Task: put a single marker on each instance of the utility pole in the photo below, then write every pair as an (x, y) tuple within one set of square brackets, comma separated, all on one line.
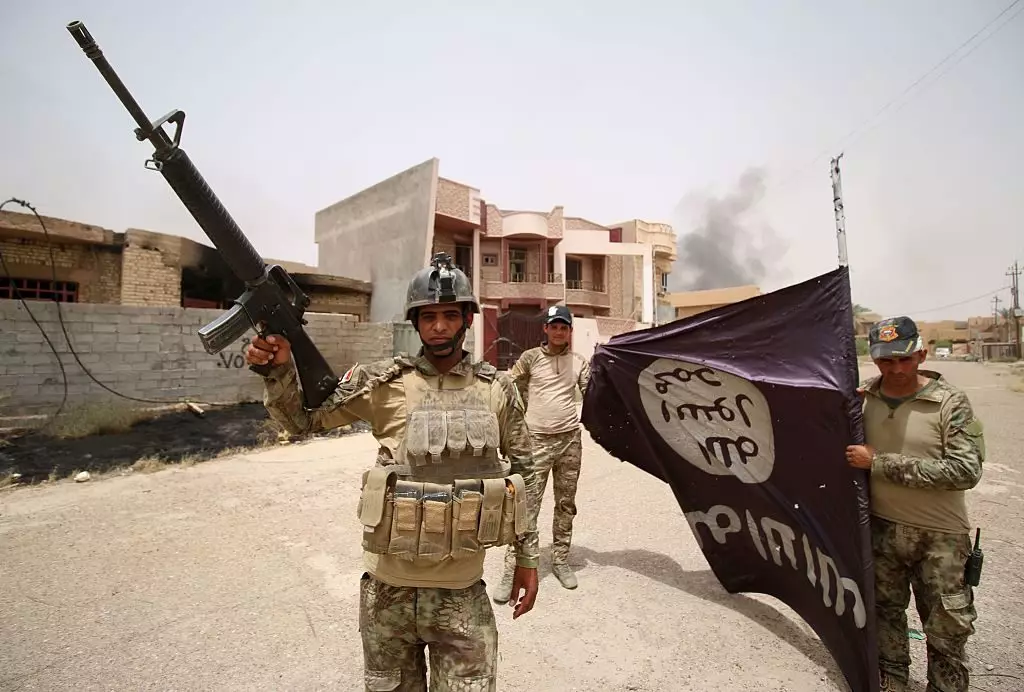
[(1015, 312), (995, 315), (837, 202)]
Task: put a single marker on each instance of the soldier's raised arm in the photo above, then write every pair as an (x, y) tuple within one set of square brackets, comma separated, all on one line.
[(351, 400)]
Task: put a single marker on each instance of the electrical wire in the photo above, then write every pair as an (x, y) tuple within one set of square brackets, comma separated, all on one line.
[(63, 326), (863, 127), (953, 305)]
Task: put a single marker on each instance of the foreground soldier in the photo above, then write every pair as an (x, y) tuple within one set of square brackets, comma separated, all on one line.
[(438, 496), (924, 449), (548, 377)]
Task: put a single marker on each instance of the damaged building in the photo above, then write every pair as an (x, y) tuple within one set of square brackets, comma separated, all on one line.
[(83, 263)]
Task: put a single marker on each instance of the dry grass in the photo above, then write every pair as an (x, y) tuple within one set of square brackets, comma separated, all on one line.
[(148, 465), (154, 464), (105, 418)]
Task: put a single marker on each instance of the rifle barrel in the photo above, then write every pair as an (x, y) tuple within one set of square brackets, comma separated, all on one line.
[(180, 173), (92, 51)]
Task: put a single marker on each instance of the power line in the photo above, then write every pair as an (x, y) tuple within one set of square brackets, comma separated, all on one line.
[(863, 128), (953, 305), (67, 337), (938, 65)]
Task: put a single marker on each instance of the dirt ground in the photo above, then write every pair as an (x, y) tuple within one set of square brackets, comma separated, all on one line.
[(242, 573)]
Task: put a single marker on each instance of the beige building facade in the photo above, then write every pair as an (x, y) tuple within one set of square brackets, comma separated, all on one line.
[(519, 261), (689, 303)]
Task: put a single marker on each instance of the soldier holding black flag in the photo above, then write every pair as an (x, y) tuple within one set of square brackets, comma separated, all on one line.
[(925, 448)]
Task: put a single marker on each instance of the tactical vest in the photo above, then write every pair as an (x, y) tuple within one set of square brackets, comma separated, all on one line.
[(449, 496)]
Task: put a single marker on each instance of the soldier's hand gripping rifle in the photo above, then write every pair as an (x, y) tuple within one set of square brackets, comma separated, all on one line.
[(272, 302)]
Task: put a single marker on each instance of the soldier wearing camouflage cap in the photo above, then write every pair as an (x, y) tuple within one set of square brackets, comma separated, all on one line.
[(548, 377), (451, 479), (924, 448)]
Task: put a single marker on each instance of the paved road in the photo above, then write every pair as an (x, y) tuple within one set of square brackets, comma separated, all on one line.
[(241, 574)]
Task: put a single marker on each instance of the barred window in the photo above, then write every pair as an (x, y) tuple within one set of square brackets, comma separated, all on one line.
[(39, 289)]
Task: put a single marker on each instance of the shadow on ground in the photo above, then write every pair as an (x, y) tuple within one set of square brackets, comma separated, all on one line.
[(172, 437), (705, 585)]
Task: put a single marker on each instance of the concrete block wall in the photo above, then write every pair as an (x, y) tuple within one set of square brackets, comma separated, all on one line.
[(148, 277), (148, 352)]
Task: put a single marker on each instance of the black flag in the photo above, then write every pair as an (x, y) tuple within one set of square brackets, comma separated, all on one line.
[(746, 412)]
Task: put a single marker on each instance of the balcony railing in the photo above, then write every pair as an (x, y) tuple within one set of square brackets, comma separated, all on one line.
[(532, 278), (497, 290), (588, 294), (579, 285)]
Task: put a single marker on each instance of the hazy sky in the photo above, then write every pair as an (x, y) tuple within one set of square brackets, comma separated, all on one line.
[(614, 110)]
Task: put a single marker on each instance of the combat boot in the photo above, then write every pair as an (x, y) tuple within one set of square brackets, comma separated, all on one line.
[(564, 574)]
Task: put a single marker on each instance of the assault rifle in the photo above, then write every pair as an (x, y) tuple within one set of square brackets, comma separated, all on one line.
[(272, 302)]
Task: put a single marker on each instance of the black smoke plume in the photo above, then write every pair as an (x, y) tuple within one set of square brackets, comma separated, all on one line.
[(726, 247)]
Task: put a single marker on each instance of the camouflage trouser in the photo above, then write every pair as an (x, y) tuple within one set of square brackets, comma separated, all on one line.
[(456, 625), (933, 563), (560, 455)]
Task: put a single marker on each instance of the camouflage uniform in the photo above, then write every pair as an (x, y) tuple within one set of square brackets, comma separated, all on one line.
[(920, 534), (556, 453), (423, 589), (559, 455)]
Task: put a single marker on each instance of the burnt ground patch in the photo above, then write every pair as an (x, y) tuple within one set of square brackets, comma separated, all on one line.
[(172, 437)]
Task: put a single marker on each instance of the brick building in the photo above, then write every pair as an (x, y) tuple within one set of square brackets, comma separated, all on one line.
[(141, 268)]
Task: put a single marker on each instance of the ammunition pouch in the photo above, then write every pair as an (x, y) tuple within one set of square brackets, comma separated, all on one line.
[(434, 522)]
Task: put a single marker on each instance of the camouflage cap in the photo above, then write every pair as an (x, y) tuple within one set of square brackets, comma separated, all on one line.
[(895, 336)]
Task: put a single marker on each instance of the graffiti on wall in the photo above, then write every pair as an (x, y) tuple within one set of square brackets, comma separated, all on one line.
[(232, 359)]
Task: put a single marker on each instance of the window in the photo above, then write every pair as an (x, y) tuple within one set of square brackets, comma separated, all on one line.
[(664, 283), (464, 258), (39, 289), (615, 235), (517, 264), (490, 260), (573, 273)]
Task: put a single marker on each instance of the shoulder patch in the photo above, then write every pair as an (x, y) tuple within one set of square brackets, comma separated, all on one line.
[(348, 374)]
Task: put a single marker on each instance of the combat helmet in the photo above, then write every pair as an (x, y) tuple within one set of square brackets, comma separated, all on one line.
[(438, 284)]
